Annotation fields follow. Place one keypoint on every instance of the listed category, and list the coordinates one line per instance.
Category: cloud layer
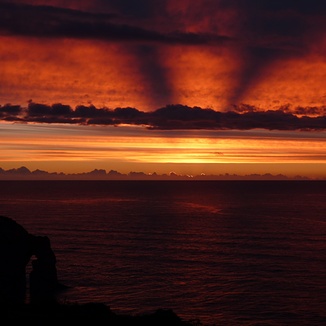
(212, 53)
(52, 22)
(171, 117)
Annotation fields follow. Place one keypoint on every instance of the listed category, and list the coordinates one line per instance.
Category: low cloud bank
(171, 117)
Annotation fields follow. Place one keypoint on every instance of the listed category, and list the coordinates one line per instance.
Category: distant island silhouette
(23, 173)
(17, 247)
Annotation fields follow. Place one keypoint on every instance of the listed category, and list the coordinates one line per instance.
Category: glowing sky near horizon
(248, 57)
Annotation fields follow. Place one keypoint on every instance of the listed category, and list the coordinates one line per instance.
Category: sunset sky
(210, 86)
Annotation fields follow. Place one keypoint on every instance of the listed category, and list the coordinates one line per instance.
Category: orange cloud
(70, 71)
(201, 76)
(212, 53)
(296, 81)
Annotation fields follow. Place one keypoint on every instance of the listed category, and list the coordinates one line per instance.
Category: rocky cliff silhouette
(17, 247)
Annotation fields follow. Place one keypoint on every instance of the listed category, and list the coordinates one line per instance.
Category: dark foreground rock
(17, 247)
(84, 314)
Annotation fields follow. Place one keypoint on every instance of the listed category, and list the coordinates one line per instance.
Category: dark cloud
(184, 117)
(47, 21)
(57, 113)
(57, 109)
(281, 24)
(130, 116)
(171, 117)
(90, 112)
(11, 113)
(140, 9)
(309, 110)
(36, 110)
(299, 110)
(9, 110)
(60, 109)
(302, 6)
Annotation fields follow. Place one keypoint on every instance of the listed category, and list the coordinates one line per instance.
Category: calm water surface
(224, 252)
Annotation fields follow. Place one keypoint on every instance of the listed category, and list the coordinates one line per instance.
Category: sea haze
(223, 252)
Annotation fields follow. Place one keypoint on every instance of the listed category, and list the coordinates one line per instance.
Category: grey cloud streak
(170, 117)
(53, 22)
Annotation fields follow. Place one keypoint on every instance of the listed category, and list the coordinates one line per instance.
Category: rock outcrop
(17, 247)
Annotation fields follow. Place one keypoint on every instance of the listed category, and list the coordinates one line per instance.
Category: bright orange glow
(299, 82)
(97, 145)
(211, 54)
(110, 75)
(71, 72)
(201, 76)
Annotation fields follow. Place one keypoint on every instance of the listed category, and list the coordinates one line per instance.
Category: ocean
(222, 252)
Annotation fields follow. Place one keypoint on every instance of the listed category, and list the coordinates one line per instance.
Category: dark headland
(17, 248)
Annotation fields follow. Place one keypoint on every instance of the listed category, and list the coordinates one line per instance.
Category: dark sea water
(223, 252)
